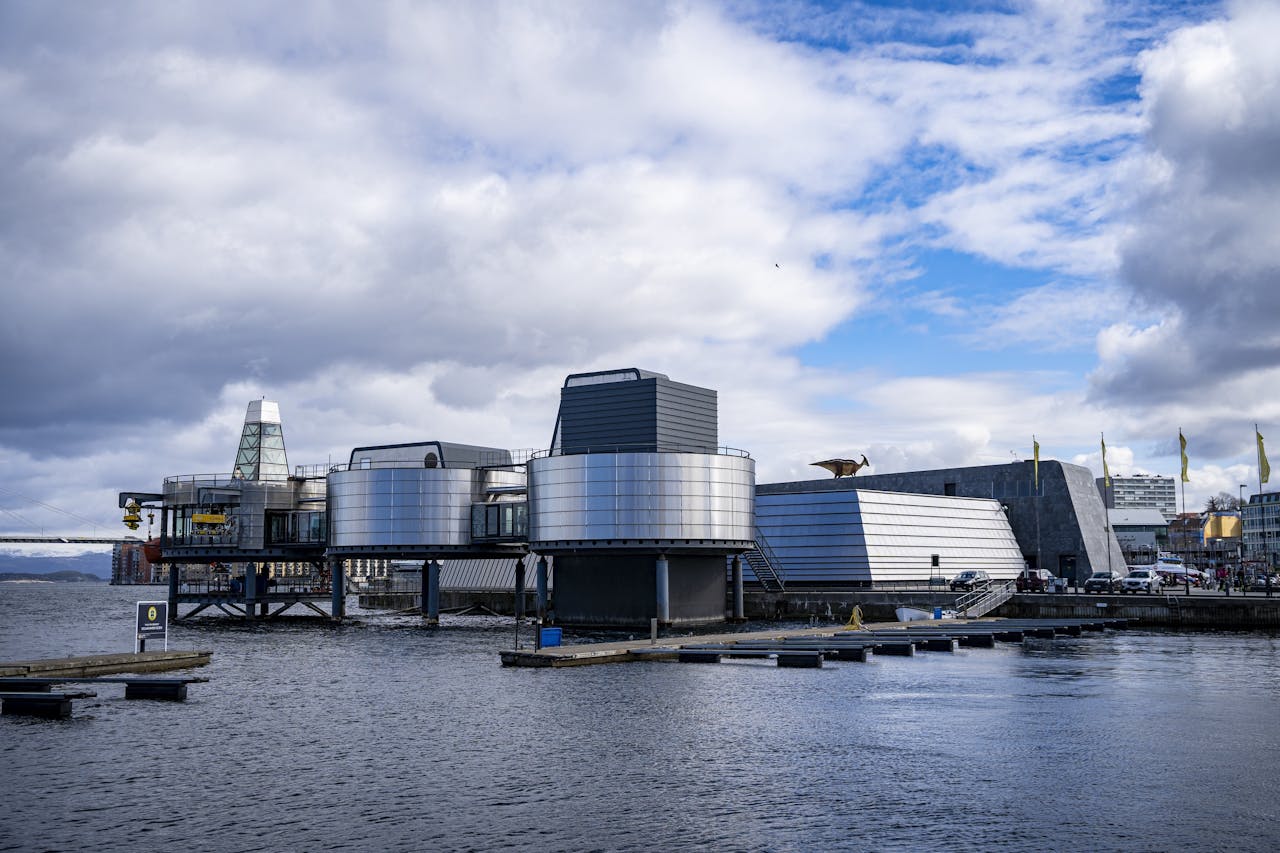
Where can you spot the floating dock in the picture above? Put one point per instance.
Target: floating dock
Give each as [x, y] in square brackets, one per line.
[91, 665]
[809, 647]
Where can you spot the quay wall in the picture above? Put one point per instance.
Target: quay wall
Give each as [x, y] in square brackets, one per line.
[1235, 612]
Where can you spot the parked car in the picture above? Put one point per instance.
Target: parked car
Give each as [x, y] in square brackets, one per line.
[1142, 580]
[969, 580]
[1105, 581]
[1034, 580]
[1260, 583]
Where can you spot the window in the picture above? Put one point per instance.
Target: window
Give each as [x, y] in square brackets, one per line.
[950, 490]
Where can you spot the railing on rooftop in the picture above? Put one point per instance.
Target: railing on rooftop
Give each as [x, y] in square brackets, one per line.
[220, 480]
[643, 447]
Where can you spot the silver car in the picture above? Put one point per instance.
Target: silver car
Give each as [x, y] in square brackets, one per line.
[1142, 580]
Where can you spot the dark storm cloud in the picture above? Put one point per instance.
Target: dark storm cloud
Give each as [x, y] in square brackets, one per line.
[1205, 246]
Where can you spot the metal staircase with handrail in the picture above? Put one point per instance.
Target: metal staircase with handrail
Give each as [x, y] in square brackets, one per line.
[765, 564]
[982, 601]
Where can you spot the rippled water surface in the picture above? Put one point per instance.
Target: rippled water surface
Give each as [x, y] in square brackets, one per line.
[382, 735]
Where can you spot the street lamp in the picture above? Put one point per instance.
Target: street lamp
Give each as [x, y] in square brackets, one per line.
[1240, 510]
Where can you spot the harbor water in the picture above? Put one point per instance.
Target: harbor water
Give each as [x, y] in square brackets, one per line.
[383, 735]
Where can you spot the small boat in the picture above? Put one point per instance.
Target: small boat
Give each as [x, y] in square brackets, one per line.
[912, 614]
[151, 549]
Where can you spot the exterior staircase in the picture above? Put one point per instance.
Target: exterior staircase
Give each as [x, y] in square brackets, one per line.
[983, 601]
[765, 564]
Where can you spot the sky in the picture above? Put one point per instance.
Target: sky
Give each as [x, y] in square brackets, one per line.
[924, 232]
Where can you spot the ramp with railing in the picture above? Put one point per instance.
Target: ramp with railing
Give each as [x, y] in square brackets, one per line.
[982, 601]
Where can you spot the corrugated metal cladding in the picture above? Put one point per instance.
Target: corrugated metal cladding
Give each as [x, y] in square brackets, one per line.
[642, 414]
[492, 574]
[862, 535]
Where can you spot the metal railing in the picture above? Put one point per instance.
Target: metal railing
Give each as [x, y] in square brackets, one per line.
[765, 564]
[643, 447]
[982, 601]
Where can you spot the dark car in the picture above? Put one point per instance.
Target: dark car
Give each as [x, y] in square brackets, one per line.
[1104, 581]
[1035, 580]
[969, 580]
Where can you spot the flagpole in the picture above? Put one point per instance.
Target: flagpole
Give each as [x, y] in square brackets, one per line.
[1106, 481]
[1259, 449]
[1035, 449]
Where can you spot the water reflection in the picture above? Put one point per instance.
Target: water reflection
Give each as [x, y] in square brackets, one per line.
[389, 736]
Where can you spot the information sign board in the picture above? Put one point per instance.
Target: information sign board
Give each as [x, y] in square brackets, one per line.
[153, 623]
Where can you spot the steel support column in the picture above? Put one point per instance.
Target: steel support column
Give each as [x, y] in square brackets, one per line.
[423, 583]
[519, 611]
[739, 606]
[250, 589]
[662, 590]
[174, 577]
[338, 589]
[433, 592]
[542, 590]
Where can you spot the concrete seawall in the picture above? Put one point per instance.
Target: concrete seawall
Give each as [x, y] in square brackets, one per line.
[1235, 612]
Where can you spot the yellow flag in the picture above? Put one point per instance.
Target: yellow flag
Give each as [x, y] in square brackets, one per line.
[1264, 467]
[1106, 475]
[1035, 453]
[1182, 442]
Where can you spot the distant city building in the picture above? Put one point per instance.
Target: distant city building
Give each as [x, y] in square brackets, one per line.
[1142, 533]
[129, 565]
[1141, 491]
[1262, 527]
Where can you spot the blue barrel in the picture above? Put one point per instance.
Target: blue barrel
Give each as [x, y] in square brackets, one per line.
[550, 637]
[937, 613]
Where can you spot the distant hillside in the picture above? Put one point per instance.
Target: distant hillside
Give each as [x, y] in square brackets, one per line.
[98, 566]
[56, 577]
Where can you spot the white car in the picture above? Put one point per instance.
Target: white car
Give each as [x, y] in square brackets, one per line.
[1142, 580]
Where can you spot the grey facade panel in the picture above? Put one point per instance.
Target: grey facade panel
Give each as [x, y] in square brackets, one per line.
[620, 591]
[1063, 527]
[837, 538]
[643, 414]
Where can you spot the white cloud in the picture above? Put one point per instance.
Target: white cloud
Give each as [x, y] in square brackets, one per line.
[414, 224]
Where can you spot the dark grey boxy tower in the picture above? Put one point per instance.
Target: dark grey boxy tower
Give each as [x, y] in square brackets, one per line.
[634, 410]
[637, 503]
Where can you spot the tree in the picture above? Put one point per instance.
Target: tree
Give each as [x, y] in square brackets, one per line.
[1222, 502]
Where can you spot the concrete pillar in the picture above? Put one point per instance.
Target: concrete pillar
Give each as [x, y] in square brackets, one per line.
[250, 589]
[739, 605]
[422, 588]
[174, 577]
[338, 590]
[663, 589]
[519, 611]
[433, 592]
[542, 590]
[519, 589]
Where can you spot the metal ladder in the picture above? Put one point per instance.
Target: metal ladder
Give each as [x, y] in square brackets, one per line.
[1175, 608]
[765, 564]
[983, 601]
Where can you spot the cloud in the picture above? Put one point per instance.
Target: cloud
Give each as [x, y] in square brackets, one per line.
[412, 223]
[1205, 245]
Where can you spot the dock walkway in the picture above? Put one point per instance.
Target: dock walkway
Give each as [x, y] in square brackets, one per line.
[91, 665]
[897, 638]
